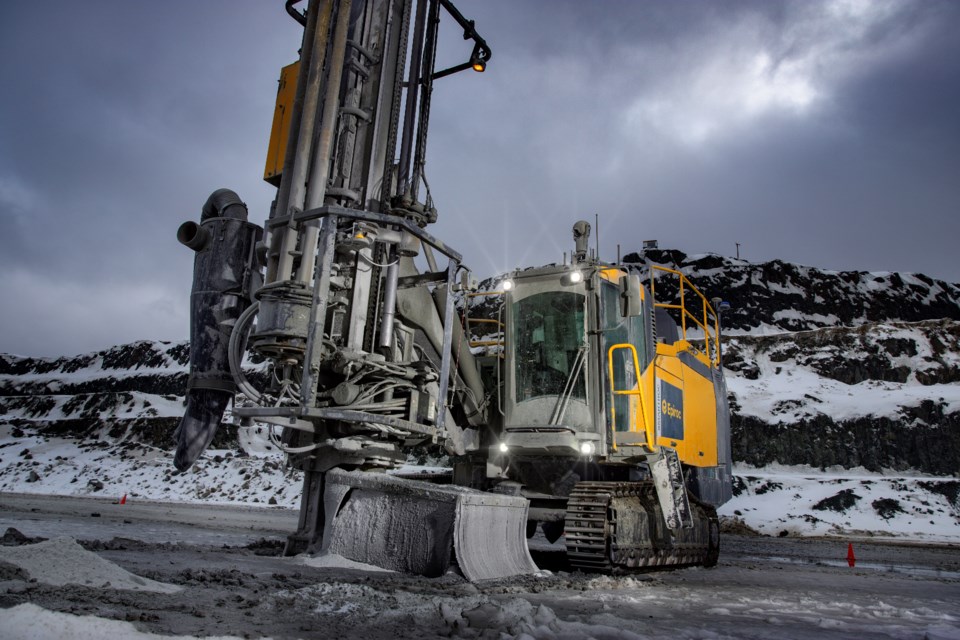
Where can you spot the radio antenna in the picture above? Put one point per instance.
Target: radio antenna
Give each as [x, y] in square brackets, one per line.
[596, 225]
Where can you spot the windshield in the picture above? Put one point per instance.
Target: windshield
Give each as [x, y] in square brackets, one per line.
[549, 335]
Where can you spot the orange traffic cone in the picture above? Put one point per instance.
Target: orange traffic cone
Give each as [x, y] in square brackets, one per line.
[123, 500]
[851, 559]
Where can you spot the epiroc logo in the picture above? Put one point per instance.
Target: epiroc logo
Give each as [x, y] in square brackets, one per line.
[670, 416]
[669, 410]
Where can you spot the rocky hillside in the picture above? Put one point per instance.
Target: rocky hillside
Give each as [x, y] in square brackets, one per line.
[835, 368]
[825, 368]
[777, 296]
[130, 391]
[882, 396]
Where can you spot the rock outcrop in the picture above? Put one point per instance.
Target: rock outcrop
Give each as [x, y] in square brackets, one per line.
[824, 368]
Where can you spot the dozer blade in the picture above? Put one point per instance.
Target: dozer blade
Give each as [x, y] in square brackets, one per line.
[415, 527]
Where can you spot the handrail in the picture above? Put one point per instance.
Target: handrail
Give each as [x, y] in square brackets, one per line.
[708, 322]
[468, 320]
[648, 428]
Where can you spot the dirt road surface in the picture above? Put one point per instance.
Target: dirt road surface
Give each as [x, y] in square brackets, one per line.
[234, 582]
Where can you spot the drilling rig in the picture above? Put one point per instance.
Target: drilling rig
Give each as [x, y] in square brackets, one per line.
[592, 415]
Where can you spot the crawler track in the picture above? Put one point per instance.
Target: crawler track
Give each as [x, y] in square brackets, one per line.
[618, 526]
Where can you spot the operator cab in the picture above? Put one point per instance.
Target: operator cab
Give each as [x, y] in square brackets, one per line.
[549, 385]
[561, 322]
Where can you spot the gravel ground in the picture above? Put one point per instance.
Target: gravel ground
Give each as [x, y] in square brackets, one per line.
[763, 588]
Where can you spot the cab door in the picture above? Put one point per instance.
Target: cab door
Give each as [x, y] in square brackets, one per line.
[625, 360]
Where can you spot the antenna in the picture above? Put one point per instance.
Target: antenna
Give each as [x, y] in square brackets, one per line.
[738, 250]
[596, 224]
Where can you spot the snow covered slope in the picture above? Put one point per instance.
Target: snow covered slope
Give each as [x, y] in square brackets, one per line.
[883, 396]
[133, 390]
[103, 423]
[779, 500]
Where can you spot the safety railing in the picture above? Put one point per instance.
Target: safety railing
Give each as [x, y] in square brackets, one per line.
[470, 322]
[700, 313]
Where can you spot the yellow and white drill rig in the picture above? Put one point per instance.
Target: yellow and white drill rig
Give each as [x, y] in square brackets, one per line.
[596, 416]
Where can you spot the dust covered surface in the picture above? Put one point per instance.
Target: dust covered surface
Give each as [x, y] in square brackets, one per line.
[764, 588]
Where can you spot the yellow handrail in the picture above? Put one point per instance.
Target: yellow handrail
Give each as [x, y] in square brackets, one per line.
[648, 428]
[708, 322]
[468, 319]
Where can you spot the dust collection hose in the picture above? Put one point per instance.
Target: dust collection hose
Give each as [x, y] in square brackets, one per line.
[225, 275]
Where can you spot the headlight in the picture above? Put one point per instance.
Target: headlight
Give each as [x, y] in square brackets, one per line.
[503, 447]
[588, 448]
[575, 277]
[507, 285]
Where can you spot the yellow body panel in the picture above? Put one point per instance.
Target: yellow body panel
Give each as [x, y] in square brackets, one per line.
[670, 390]
[280, 131]
[698, 447]
[697, 412]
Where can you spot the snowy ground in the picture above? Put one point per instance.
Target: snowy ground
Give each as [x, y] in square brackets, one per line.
[763, 588]
[198, 539]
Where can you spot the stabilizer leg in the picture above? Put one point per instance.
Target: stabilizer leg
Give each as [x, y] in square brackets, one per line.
[310, 527]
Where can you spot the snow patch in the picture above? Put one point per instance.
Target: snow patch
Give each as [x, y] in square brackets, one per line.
[30, 622]
[62, 561]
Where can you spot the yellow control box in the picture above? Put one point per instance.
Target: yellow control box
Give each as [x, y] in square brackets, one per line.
[280, 131]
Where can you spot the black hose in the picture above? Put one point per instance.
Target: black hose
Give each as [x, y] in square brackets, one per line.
[296, 15]
[224, 203]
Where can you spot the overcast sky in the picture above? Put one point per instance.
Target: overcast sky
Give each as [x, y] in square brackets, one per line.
[824, 133]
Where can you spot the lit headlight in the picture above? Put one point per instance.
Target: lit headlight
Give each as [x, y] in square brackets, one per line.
[588, 448]
[507, 285]
[575, 277]
[503, 447]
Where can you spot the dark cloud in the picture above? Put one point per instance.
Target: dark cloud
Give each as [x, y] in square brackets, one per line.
[819, 132]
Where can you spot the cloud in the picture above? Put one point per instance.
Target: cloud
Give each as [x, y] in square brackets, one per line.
[752, 66]
[822, 132]
[49, 316]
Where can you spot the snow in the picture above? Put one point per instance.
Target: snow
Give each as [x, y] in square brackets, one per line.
[762, 329]
[790, 289]
[30, 622]
[816, 318]
[139, 405]
[788, 395]
[335, 561]
[66, 466]
[774, 501]
[62, 561]
[789, 390]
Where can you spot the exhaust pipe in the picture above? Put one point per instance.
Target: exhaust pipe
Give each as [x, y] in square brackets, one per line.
[225, 276]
